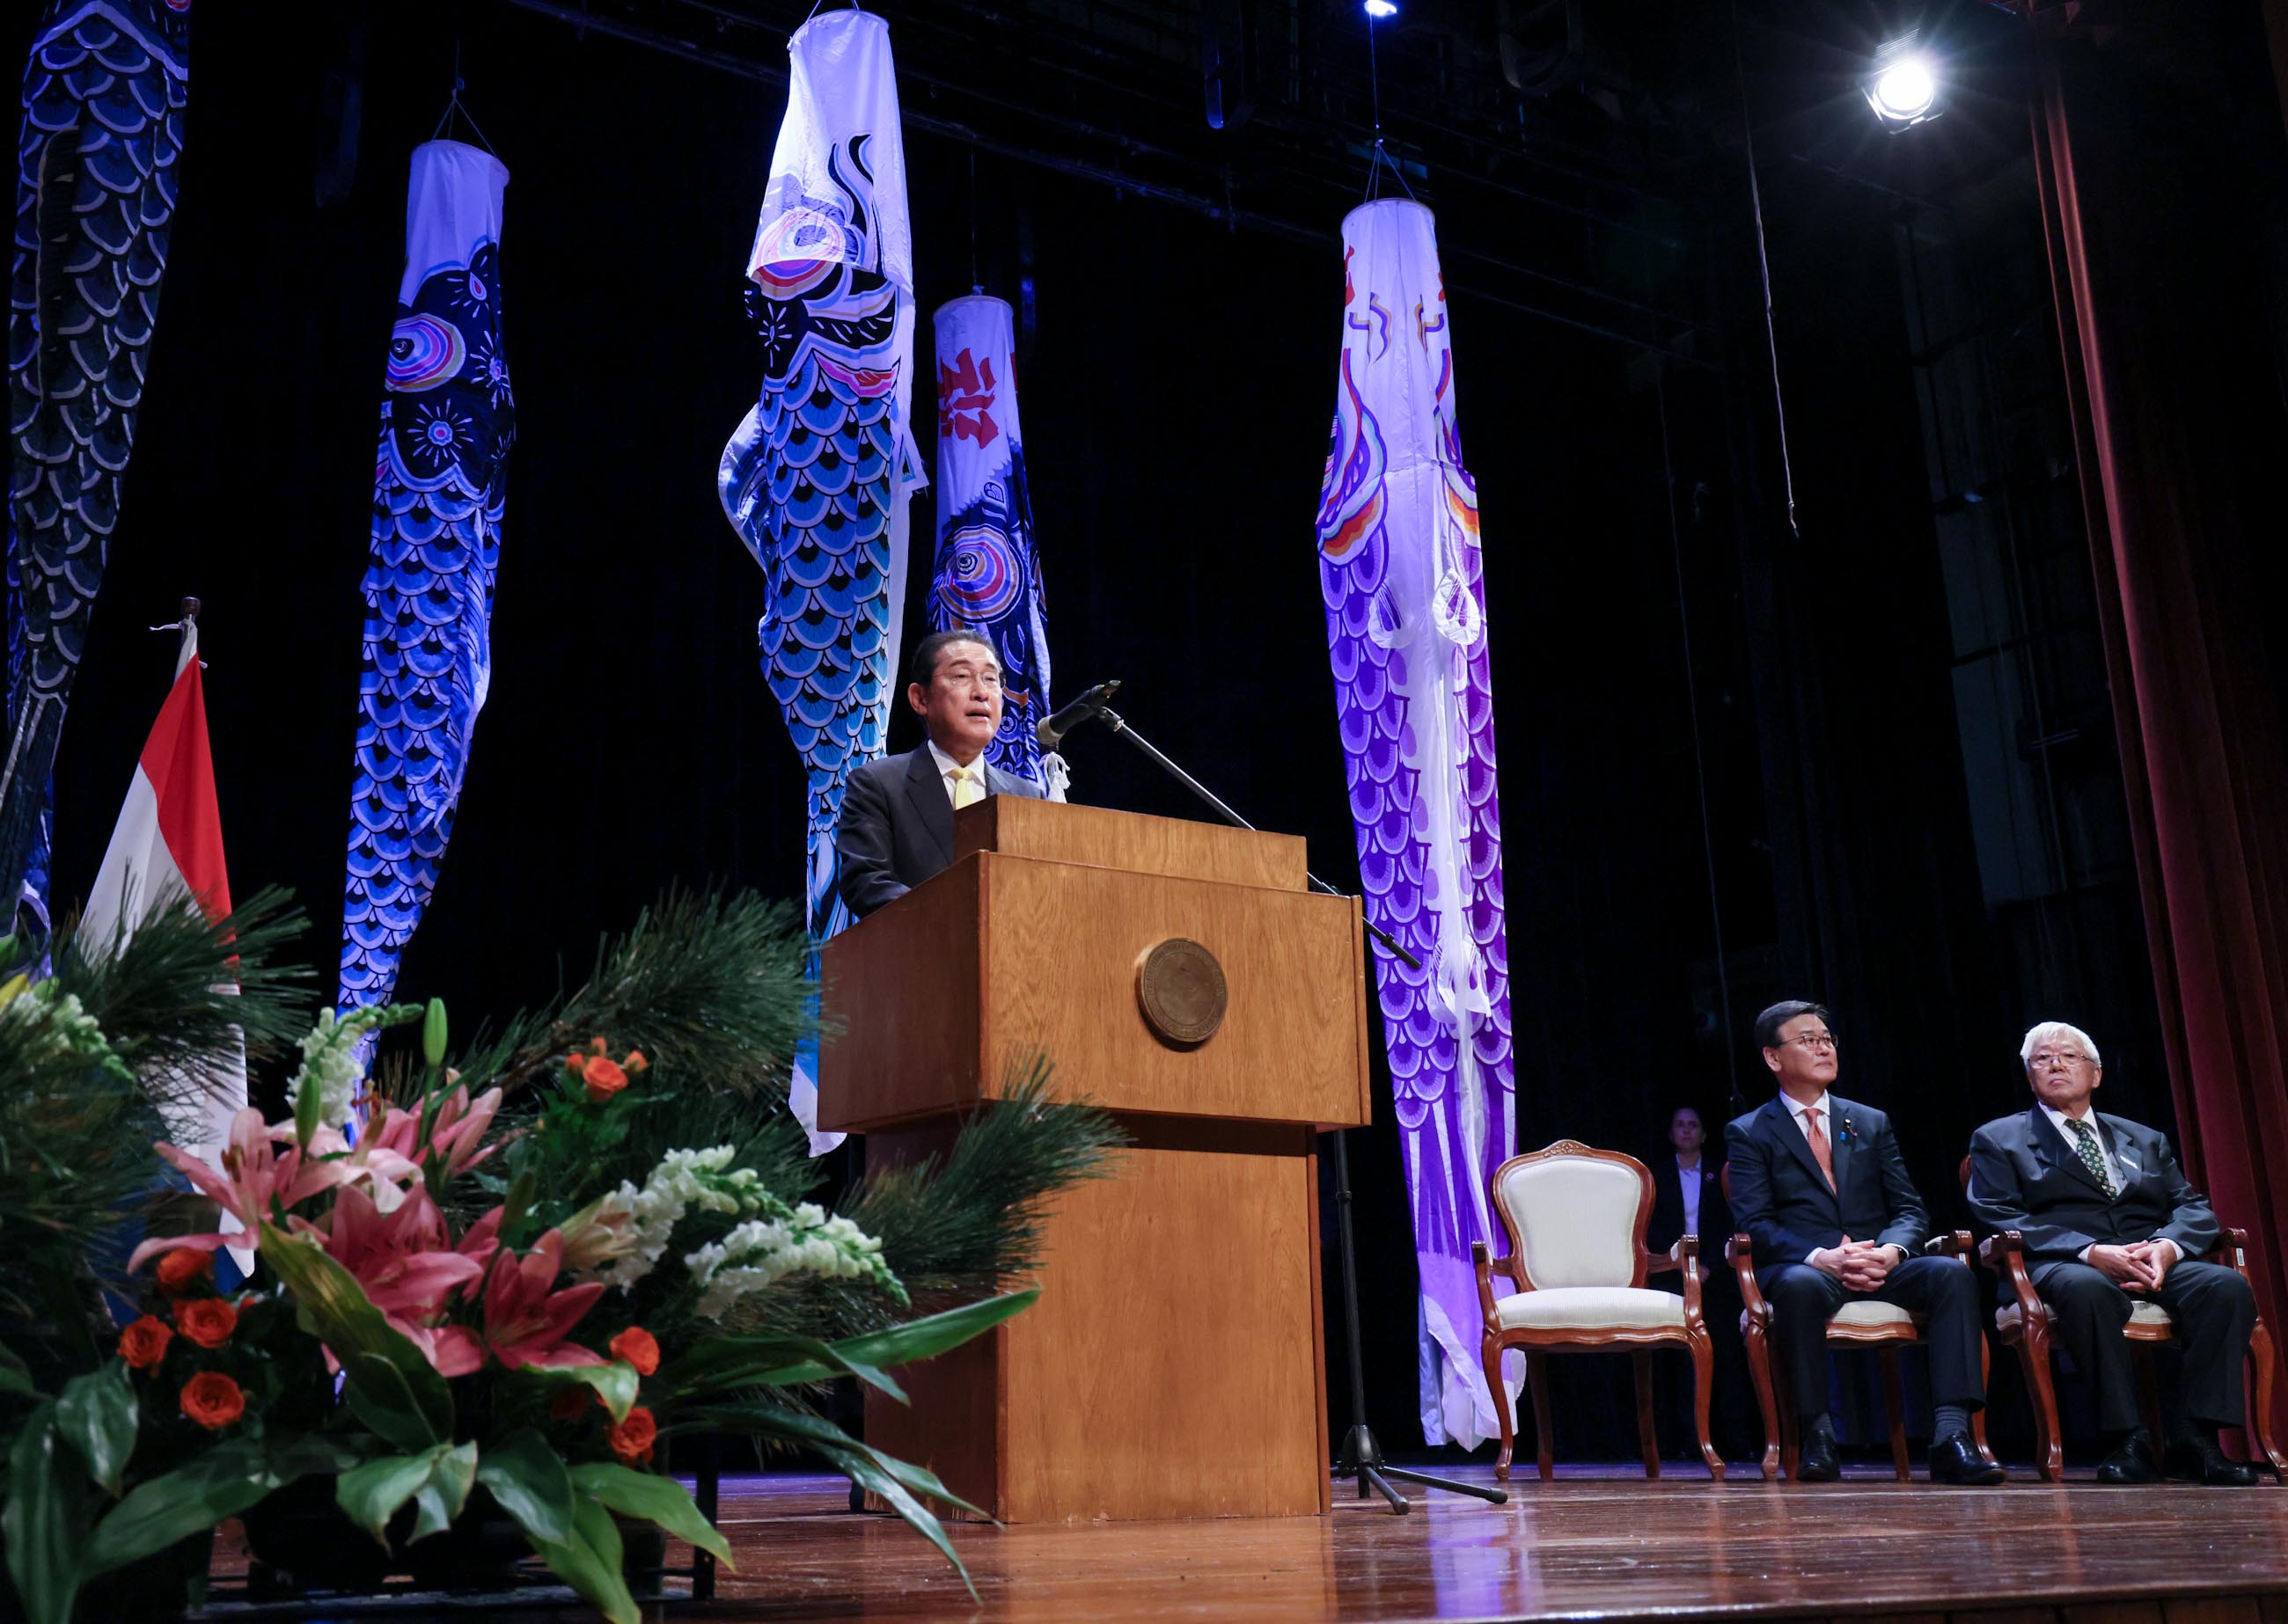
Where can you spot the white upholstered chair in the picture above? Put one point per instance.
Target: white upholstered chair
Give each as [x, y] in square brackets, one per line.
[1576, 1219]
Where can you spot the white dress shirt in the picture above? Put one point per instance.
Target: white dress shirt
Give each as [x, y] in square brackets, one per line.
[2058, 1120]
[1825, 1105]
[946, 765]
[1687, 1179]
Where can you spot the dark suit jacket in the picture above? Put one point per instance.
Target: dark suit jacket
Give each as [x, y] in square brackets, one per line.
[897, 827]
[1779, 1198]
[2024, 1175]
[1668, 1211]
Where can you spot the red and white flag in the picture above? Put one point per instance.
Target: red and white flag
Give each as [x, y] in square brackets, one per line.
[168, 847]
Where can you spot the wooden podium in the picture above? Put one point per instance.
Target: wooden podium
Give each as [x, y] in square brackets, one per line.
[1174, 1365]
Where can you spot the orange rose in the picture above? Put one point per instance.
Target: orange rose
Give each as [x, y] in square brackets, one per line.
[144, 1344]
[570, 1403]
[573, 1063]
[639, 1347]
[604, 1078]
[207, 1321]
[632, 1440]
[635, 1062]
[213, 1400]
[597, 1046]
[180, 1268]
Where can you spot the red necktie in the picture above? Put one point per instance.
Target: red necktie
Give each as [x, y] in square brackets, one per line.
[1819, 1151]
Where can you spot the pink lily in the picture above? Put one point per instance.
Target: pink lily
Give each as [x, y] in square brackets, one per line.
[253, 1175]
[459, 1130]
[526, 1321]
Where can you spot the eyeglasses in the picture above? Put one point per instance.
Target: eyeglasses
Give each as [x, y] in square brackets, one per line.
[2056, 1060]
[1812, 1043]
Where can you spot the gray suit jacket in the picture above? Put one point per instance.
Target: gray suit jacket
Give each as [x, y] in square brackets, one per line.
[897, 827]
[2024, 1177]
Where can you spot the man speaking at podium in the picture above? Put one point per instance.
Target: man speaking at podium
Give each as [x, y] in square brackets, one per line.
[897, 814]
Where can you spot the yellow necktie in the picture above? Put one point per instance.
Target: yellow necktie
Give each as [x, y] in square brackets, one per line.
[966, 790]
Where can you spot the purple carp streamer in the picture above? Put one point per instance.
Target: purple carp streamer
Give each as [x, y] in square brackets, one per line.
[986, 576]
[1402, 576]
[105, 90]
[439, 488]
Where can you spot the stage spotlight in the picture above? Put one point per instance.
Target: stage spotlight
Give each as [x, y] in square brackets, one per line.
[1378, 9]
[1903, 86]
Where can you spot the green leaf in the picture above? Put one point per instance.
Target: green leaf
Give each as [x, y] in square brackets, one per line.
[528, 1479]
[371, 1494]
[312, 1455]
[390, 1386]
[15, 1376]
[800, 1427]
[37, 1522]
[899, 1345]
[225, 1481]
[654, 1499]
[441, 1498]
[616, 1384]
[767, 1361]
[95, 1416]
[589, 1561]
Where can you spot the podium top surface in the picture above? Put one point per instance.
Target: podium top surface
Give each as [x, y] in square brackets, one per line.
[1017, 826]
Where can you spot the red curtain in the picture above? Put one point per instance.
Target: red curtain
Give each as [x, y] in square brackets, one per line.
[2162, 302]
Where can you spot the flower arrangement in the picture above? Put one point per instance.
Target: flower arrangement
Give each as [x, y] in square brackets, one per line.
[514, 1287]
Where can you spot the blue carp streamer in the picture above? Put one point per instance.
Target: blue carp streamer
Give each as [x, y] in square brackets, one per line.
[447, 420]
[808, 482]
[105, 90]
[986, 576]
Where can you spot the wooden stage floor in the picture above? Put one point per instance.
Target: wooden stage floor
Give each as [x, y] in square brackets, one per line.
[1598, 1542]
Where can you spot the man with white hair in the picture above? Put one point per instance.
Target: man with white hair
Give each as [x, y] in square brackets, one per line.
[2108, 1217]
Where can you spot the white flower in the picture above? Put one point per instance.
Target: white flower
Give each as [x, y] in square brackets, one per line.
[761, 1252]
[683, 1179]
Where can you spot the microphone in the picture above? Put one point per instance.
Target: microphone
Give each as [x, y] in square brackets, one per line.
[1050, 729]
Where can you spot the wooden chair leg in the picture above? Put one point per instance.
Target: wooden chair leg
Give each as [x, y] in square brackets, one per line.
[1703, 1377]
[1791, 1446]
[1978, 1415]
[2033, 1345]
[1647, 1438]
[1759, 1373]
[1536, 1377]
[1894, 1411]
[2149, 1396]
[2260, 1355]
[1492, 1359]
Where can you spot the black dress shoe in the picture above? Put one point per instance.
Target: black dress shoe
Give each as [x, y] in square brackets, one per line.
[1816, 1461]
[2131, 1462]
[1955, 1459]
[2202, 1462]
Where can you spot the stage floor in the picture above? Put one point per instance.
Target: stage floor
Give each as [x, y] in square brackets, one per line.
[1598, 1542]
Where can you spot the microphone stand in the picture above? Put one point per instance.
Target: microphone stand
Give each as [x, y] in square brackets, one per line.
[1361, 1457]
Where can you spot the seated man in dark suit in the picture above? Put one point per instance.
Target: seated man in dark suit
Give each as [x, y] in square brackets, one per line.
[897, 814]
[2106, 1212]
[1818, 1184]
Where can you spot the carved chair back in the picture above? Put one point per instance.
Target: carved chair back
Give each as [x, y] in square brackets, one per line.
[1575, 1216]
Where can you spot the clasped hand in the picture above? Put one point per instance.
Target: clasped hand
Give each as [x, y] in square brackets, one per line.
[2141, 1267]
[1863, 1265]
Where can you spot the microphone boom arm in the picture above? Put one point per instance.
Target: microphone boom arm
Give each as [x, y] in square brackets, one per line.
[1112, 718]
